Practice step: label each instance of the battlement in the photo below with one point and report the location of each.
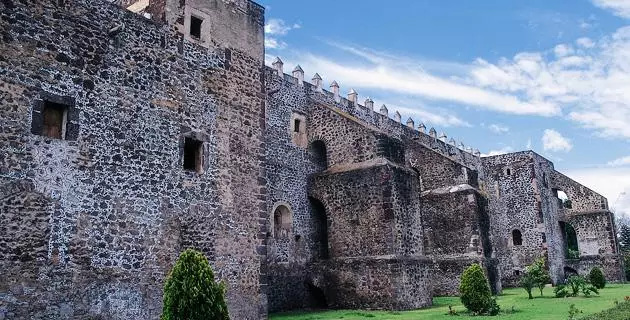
(366, 113)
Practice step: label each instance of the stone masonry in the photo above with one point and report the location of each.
(127, 136)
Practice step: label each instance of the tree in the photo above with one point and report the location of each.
(527, 282)
(474, 290)
(190, 291)
(624, 238)
(539, 274)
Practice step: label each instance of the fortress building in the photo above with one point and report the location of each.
(127, 136)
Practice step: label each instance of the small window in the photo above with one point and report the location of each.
(508, 172)
(193, 155)
(517, 238)
(517, 273)
(282, 222)
(195, 27)
(544, 238)
(54, 119)
(296, 125)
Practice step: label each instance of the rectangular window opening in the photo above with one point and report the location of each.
(296, 125)
(195, 27)
(54, 120)
(193, 155)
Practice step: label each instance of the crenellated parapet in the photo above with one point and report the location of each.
(367, 114)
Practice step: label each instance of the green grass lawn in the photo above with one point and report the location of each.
(545, 307)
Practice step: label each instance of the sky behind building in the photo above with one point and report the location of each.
(500, 76)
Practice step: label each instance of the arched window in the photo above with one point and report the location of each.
(517, 237)
(320, 230)
(317, 150)
(508, 171)
(282, 222)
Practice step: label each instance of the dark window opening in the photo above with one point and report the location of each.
(192, 154)
(320, 230)
(569, 236)
(509, 172)
(517, 273)
(517, 237)
(54, 115)
(195, 27)
(296, 125)
(317, 150)
(544, 237)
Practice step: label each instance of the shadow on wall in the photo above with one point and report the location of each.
(320, 230)
(317, 151)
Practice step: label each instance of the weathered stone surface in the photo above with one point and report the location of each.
(299, 197)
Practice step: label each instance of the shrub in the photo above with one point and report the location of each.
(474, 290)
(573, 312)
(576, 283)
(527, 282)
(596, 278)
(561, 291)
(573, 254)
(190, 291)
(539, 274)
(493, 308)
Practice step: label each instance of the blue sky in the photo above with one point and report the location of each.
(500, 76)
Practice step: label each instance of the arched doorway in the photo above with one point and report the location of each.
(282, 222)
(320, 229)
(317, 151)
(572, 250)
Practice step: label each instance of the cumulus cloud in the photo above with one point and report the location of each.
(552, 140)
(623, 161)
(619, 8)
(275, 28)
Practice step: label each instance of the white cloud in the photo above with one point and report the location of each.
(279, 27)
(397, 75)
(503, 150)
(563, 50)
(273, 43)
(585, 42)
(612, 183)
(619, 8)
(620, 162)
(275, 28)
(552, 140)
(497, 128)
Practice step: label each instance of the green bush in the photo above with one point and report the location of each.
(596, 278)
(190, 291)
(577, 284)
(561, 291)
(493, 308)
(474, 290)
(539, 274)
(573, 254)
(528, 282)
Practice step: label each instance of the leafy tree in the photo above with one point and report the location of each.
(190, 291)
(624, 238)
(528, 282)
(474, 290)
(596, 278)
(539, 274)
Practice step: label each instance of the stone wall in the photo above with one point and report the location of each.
(110, 204)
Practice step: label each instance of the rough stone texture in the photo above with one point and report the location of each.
(375, 214)
(91, 225)
(469, 206)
